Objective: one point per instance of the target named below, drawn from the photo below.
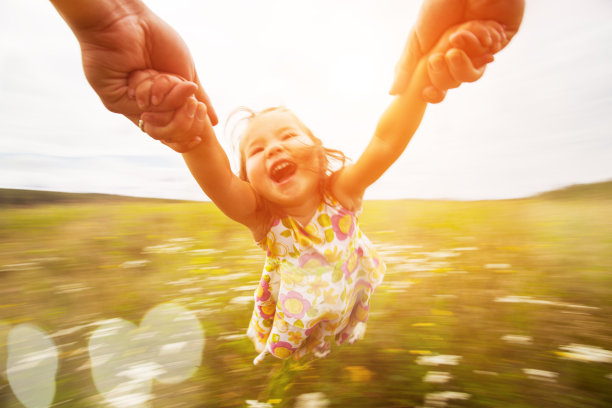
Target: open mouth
(282, 171)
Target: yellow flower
(329, 297)
(295, 337)
(316, 285)
(332, 256)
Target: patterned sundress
(316, 284)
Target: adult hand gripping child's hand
(181, 129)
(118, 37)
(474, 43)
(435, 18)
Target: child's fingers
(158, 119)
(467, 41)
(178, 128)
(201, 127)
(460, 66)
(439, 73)
(176, 96)
(482, 32)
(170, 91)
(136, 78)
(143, 94)
(162, 84)
(195, 121)
(499, 34)
(432, 94)
(482, 60)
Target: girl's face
(280, 158)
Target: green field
(512, 299)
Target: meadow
(485, 304)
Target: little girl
(320, 270)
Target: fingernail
(154, 100)
(131, 93)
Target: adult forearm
(91, 14)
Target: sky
(539, 119)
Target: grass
(503, 285)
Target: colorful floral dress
(316, 284)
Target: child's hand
(472, 43)
(155, 93)
(181, 130)
(480, 40)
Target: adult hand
(437, 16)
(118, 37)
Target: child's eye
(255, 151)
(289, 135)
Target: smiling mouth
(283, 171)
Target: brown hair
(331, 160)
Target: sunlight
(31, 365)
(125, 358)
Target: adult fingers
(202, 96)
(461, 67)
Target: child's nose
(273, 149)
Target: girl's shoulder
(350, 202)
(264, 219)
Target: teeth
(280, 167)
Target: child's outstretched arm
(207, 160)
(401, 119)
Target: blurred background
(497, 296)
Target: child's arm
(398, 123)
(207, 162)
